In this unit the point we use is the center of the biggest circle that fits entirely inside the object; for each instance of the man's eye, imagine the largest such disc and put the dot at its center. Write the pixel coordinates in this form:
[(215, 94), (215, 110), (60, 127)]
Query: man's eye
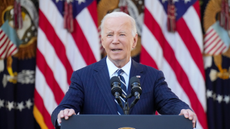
[(122, 34), (109, 35)]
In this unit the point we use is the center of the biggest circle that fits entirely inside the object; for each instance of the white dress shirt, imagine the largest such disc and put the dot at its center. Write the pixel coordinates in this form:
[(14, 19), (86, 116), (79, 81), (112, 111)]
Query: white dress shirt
[(113, 70)]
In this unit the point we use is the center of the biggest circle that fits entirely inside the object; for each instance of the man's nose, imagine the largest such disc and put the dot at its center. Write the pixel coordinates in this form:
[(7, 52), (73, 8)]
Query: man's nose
[(115, 39)]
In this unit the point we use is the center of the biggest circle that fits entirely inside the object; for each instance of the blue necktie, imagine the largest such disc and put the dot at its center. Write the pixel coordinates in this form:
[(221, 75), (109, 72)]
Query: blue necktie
[(123, 86)]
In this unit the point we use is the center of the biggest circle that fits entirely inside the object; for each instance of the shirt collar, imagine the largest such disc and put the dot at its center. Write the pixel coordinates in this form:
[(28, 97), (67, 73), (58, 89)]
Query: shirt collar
[(112, 68)]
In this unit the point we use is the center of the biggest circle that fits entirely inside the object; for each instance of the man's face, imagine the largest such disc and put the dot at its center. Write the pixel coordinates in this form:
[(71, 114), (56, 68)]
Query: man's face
[(117, 39)]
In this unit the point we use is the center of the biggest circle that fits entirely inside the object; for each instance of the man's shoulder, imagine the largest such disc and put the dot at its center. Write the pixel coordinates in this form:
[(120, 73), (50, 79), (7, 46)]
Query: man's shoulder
[(93, 66), (144, 67)]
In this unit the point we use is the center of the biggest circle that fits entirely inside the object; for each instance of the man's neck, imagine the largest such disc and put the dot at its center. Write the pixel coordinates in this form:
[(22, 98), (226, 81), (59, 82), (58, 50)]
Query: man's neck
[(119, 63)]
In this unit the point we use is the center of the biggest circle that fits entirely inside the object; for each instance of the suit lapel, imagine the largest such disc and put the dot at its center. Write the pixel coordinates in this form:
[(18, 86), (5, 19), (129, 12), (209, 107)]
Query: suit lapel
[(136, 70), (102, 78)]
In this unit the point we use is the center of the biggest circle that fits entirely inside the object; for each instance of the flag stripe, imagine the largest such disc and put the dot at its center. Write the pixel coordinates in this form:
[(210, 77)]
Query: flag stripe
[(146, 59), (39, 117), (196, 6), (147, 38), (170, 57), (2, 34), (40, 106), (189, 23), (154, 50), (79, 36), (9, 48), (85, 18), (168, 72), (91, 8), (210, 40), (53, 61), (47, 72), (208, 36), (60, 52), (213, 44), (224, 49), (188, 65), (58, 46), (175, 42), (182, 53), (5, 48), (191, 44), (3, 42), (3, 39), (14, 51), (44, 99), (45, 92), (221, 45), (215, 47), (56, 20)]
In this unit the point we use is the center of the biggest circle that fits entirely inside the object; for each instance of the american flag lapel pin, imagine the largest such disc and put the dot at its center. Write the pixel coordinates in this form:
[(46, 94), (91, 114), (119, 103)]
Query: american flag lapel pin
[(138, 76)]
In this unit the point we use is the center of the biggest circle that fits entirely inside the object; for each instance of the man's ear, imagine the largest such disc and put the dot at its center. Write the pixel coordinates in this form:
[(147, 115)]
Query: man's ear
[(102, 42), (135, 39)]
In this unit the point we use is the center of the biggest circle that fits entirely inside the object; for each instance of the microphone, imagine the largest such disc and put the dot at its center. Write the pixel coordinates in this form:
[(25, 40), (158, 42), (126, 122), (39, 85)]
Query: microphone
[(135, 90), (116, 89)]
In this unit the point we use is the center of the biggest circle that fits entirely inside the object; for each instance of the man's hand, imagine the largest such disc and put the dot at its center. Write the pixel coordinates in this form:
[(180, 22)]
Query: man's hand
[(190, 115), (65, 114)]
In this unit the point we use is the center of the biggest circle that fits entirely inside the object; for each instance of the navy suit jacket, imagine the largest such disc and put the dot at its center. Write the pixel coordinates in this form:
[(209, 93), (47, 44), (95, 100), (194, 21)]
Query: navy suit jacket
[(90, 92)]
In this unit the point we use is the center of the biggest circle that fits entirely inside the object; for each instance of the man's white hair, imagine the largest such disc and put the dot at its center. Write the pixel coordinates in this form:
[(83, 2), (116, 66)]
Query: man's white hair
[(119, 14)]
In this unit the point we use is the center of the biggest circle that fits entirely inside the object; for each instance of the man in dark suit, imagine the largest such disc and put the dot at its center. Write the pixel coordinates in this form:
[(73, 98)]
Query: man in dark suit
[(90, 90)]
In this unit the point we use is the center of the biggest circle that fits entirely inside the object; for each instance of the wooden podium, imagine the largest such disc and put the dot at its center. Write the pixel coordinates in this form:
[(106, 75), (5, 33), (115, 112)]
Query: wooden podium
[(126, 122)]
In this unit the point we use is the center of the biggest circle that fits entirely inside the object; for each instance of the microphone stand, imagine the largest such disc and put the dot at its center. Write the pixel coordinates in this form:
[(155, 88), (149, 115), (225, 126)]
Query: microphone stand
[(126, 107)]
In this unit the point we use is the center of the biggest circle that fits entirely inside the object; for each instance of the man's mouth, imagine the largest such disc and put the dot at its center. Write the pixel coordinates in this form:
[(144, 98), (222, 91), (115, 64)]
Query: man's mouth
[(116, 50)]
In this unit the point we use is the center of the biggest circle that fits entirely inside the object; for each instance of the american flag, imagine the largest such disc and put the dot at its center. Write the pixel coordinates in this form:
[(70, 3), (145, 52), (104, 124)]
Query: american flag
[(179, 54), (214, 40), (59, 52), (7, 47)]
